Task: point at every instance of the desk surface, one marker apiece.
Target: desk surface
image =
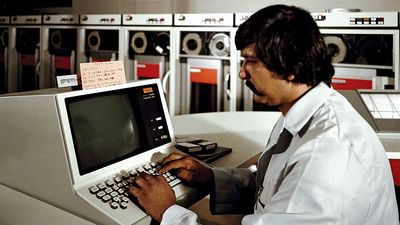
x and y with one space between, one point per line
245 132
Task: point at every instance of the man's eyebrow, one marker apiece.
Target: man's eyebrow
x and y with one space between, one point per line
246 56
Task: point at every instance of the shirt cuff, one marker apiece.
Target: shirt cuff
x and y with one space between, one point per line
176 214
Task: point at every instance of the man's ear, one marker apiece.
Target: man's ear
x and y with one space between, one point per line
291 77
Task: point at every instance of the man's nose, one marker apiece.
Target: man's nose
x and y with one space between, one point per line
242 73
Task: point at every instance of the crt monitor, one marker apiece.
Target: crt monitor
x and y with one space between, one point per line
111 126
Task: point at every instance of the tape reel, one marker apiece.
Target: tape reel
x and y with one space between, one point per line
94 40
161 43
23 40
336 47
27 40
56 39
220 45
374 50
139 42
192 44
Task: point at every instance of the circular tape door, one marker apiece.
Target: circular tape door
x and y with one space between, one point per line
139 42
220 45
161 43
374 50
24 42
336 48
94 40
192 44
56 39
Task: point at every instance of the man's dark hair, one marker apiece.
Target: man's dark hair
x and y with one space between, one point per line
288 41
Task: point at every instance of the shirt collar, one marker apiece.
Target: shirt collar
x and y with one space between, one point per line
302 111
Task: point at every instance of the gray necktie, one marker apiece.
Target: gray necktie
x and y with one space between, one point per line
281 145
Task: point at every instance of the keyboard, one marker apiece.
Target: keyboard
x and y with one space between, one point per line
115 191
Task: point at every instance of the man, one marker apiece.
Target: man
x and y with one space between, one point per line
323 164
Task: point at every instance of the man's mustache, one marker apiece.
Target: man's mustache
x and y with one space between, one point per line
251 87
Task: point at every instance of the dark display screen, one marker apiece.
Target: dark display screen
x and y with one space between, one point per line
111 126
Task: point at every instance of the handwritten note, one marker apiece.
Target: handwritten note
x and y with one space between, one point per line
102 74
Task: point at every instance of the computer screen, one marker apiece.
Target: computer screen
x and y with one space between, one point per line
108 127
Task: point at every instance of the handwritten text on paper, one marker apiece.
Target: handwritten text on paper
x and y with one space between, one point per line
102 74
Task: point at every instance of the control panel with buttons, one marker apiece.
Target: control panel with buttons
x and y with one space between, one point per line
221 19
101 19
147 19
357 19
28 19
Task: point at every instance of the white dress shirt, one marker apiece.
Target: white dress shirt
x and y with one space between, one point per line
337 172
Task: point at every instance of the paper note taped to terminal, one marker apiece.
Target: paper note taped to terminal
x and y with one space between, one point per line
102 74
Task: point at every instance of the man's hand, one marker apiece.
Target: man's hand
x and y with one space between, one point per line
154 194
187 169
